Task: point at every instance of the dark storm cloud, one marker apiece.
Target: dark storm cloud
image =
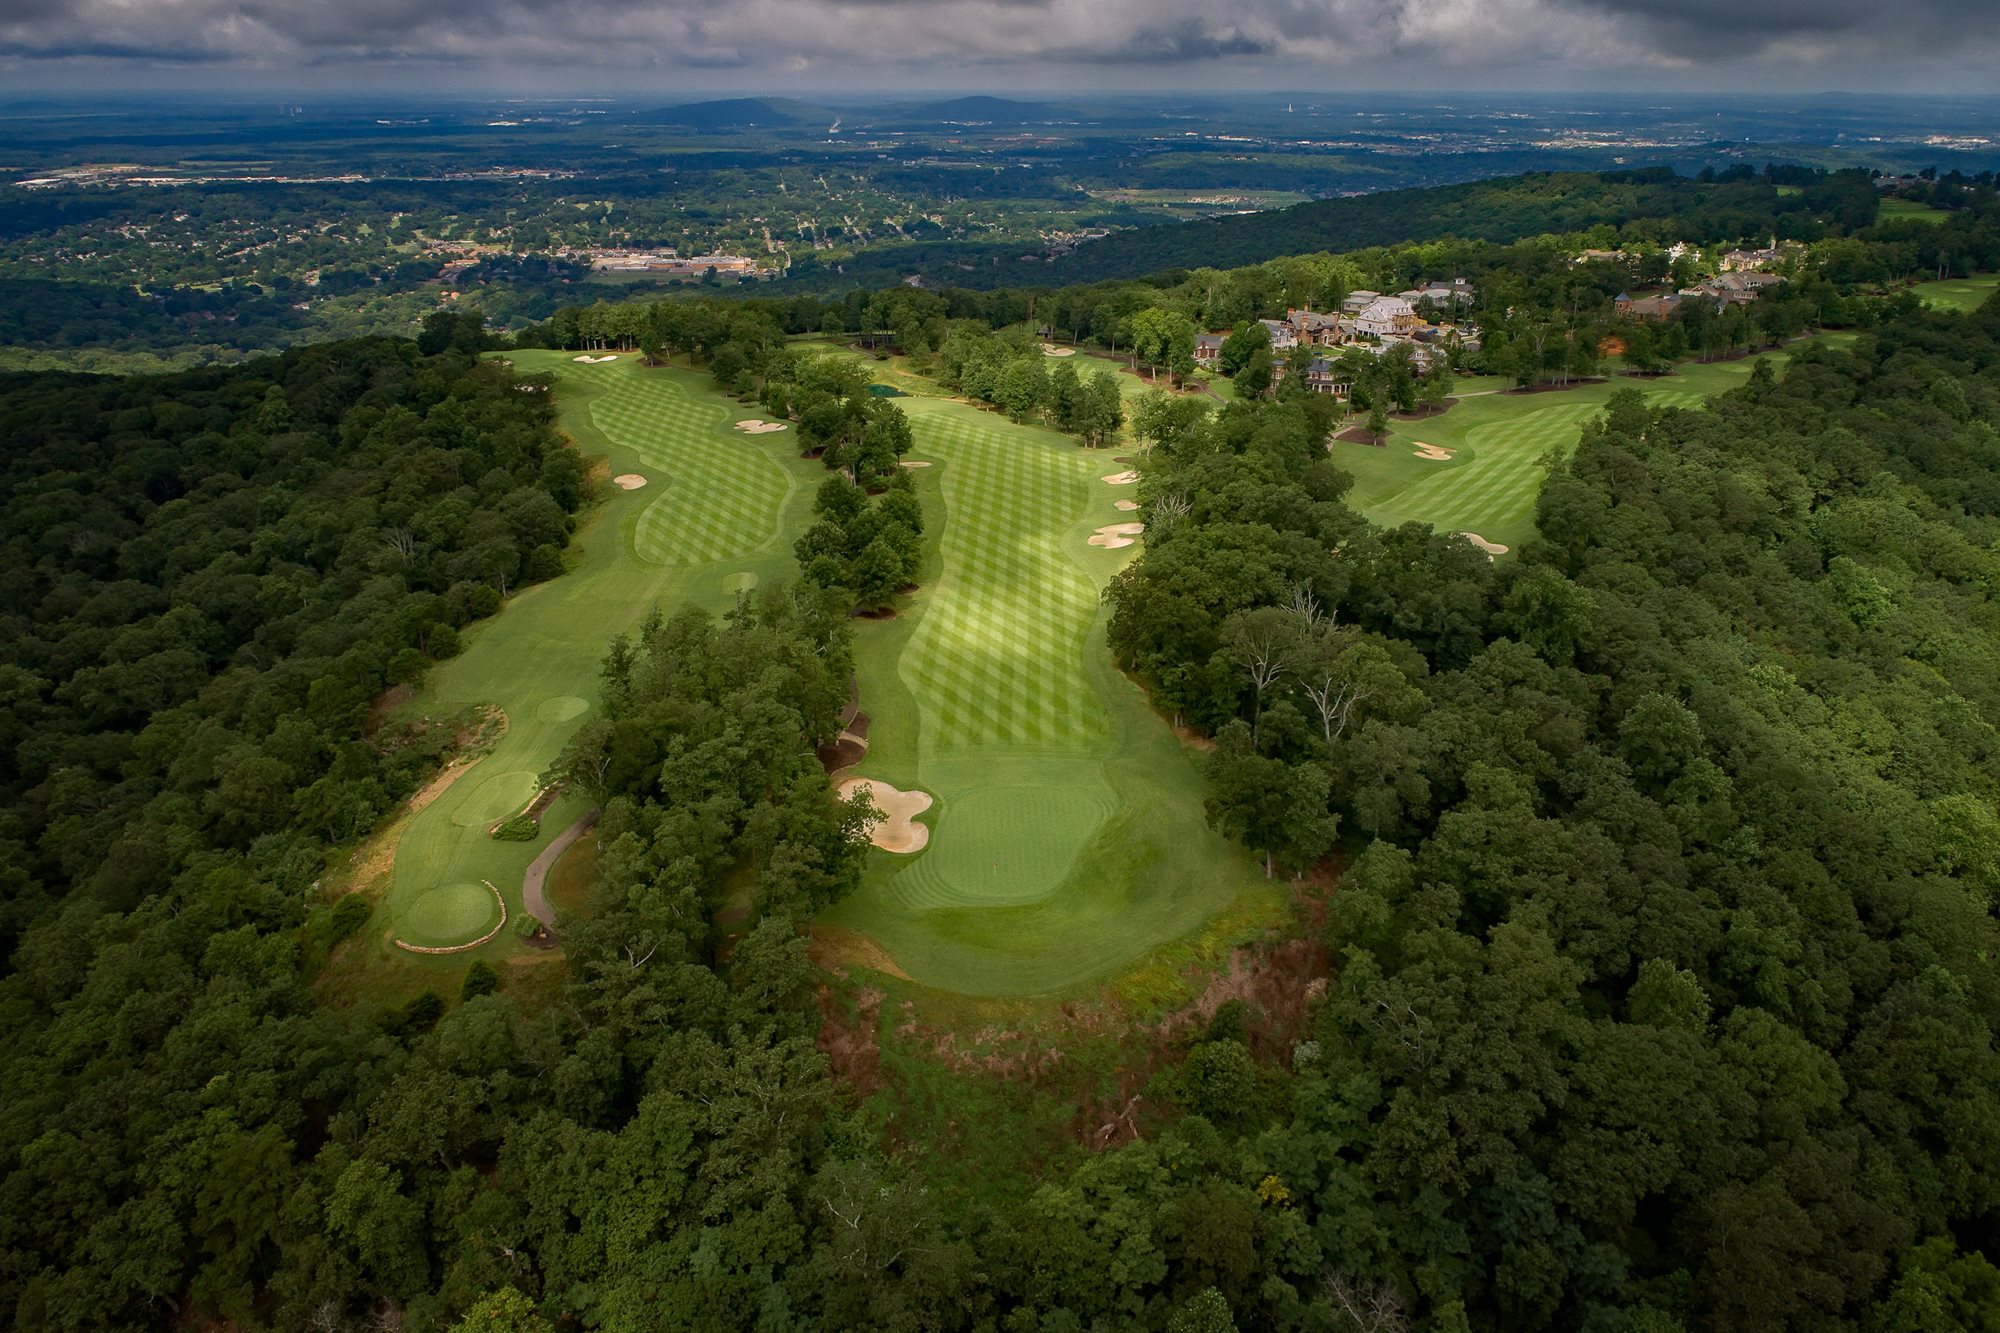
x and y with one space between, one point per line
837 36
1700 29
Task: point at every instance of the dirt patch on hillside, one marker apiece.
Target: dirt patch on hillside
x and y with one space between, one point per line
1361 435
837 948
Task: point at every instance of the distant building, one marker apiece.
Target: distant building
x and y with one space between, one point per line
1323 377
1208 350
1651 308
1734 260
670 263
1315 329
1282 337
1358 301
1387 316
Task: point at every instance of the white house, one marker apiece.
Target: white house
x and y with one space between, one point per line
1387 316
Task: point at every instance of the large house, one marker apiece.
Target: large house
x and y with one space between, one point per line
1322 377
1208 350
1733 260
1314 329
1387 316
1358 301
1282 337
1653 308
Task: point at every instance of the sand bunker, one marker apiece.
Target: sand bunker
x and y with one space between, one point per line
1431 452
758 426
594 360
897 830
1115 535
1491 548
628 481
1050 349
913 462
1127 505
1121 478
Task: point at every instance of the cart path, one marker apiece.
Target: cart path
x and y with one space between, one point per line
532 896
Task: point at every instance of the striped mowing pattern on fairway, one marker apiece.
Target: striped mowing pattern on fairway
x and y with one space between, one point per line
721 497
1506 475
996 657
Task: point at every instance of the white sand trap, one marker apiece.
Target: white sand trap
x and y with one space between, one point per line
628 481
1491 548
758 426
1127 505
913 462
1050 349
594 360
897 830
1121 478
1431 452
1115 535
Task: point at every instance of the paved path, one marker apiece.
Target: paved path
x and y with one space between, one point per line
532 896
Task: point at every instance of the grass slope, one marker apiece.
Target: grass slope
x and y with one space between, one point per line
1068 837
1490 483
718 512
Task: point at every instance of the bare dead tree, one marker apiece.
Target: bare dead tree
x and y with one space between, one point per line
1262 643
1329 681
1170 508
1376 1308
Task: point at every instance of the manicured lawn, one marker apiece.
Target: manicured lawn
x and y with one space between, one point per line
1959 294
1498 442
718 512
1068 838
1892 210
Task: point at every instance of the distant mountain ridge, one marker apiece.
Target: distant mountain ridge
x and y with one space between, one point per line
737 113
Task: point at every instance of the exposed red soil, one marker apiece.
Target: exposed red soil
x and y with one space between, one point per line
1278 979
840 754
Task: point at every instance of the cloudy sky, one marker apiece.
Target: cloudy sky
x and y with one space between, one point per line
572 45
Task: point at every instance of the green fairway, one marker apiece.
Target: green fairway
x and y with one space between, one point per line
1959 294
1898 210
1068 837
1498 443
717 514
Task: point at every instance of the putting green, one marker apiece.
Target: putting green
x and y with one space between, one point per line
538 660
1068 837
561 708
493 798
449 914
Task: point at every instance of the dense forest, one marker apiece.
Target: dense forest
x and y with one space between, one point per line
1664 992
